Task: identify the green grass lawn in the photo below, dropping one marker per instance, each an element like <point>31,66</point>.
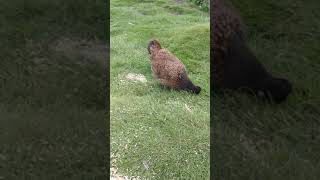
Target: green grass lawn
<point>255,140</point>
<point>52,102</point>
<point>156,132</point>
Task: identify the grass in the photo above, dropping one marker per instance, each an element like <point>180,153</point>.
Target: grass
<point>52,105</point>
<point>255,140</point>
<point>153,134</point>
<point>202,4</point>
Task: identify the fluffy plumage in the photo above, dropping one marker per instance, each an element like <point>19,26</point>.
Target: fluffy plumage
<point>234,64</point>
<point>168,69</point>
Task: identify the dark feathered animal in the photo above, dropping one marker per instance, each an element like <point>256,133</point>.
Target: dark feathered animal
<point>234,64</point>
<point>168,69</point>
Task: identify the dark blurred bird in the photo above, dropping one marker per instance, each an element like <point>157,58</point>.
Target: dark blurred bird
<point>168,69</point>
<point>234,64</point>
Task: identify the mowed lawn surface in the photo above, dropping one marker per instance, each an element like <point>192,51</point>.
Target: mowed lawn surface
<point>157,132</point>
<point>257,140</point>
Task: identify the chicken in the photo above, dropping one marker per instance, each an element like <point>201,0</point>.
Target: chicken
<point>234,64</point>
<point>169,70</point>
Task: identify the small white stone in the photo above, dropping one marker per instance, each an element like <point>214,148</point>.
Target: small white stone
<point>136,77</point>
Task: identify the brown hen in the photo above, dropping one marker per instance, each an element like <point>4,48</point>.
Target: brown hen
<point>234,64</point>
<point>168,69</point>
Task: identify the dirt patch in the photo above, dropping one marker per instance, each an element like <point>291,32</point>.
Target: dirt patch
<point>94,50</point>
<point>253,145</point>
<point>114,175</point>
<point>136,77</point>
